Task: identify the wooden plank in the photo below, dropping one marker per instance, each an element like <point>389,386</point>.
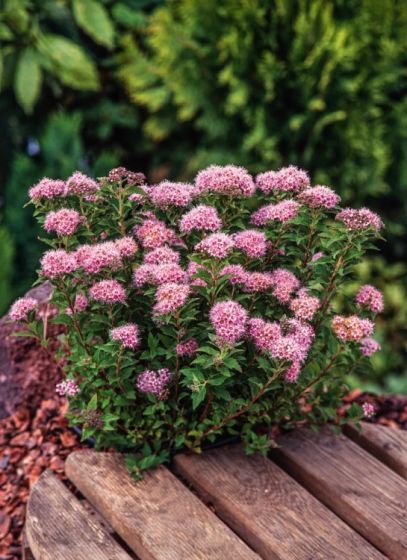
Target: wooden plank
<point>59,528</point>
<point>386,444</point>
<point>158,517</point>
<point>269,509</point>
<point>365,493</point>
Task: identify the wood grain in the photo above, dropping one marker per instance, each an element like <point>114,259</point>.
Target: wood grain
<point>386,444</point>
<point>158,517</point>
<point>59,528</point>
<point>269,509</point>
<point>365,493</point>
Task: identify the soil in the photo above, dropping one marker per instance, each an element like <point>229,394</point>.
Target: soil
<point>34,435</point>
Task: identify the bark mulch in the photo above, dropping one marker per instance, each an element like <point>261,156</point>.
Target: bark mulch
<point>34,435</point>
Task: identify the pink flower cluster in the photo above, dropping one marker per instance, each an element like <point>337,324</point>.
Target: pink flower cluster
<point>251,242</point>
<point>168,193</point>
<point>228,179</point>
<point>360,219</point>
<point>153,234</point>
<point>289,342</point>
<point>284,284</point>
<point>289,178</point>
<point>136,197</point>
<point>371,298</point>
<point>237,274</point>
<point>200,218</point>
<point>282,212</point>
<point>229,320</point>
<point>157,274</point>
<point>369,346</point>
<point>81,185</point>
<point>187,348</point>
<point>22,307</point>
<point>170,297</point>
<point>304,306</point>
<point>292,373</point>
<point>108,291</point>
<point>63,222</point>
<point>94,258</point>
<point>369,409</point>
<point>57,263</point>
<point>67,388</point>
<point>133,178</point>
<point>154,382</point>
<point>257,282</point>
<point>162,255</point>
<point>216,245</point>
<point>47,189</point>
<point>127,335</point>
<point>319,197</point>
<point>80,304</point>
<point>352,328</point>
<point>127,247</point>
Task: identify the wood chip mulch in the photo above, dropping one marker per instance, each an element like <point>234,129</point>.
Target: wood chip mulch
<point>34,435</point>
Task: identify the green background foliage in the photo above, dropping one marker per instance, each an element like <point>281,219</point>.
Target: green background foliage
<point>167,87</point>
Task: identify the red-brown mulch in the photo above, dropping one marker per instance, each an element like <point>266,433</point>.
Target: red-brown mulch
<point>34,435</point>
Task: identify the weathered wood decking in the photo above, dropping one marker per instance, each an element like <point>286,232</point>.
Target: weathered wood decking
<point>319,496</point>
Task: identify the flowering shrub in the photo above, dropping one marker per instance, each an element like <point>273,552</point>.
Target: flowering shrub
<point>199,310</point>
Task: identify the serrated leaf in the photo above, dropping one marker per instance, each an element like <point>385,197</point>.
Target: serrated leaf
<point>27,82</point>
<point>93,18</point>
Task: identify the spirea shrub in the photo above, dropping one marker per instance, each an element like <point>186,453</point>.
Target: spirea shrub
<point>195,311</point>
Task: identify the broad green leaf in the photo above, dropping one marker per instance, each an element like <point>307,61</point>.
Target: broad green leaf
<point>28,77</point>
<point>69,62</point>
<point>94,19</point>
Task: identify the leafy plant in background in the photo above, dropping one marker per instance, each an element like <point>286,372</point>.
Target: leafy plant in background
<point>198,310</point>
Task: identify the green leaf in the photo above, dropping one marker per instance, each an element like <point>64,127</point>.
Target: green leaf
<point>69,62</point>
<point>93,403</point>
<point>94,19</point>
<point>198,397</point>
<point>27,83</point>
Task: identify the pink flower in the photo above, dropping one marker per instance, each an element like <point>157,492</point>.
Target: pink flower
<point>264,333</point>
<point>126,246</point>
<point>153,234</point>
<point>170,297</point>
<point>108,291</point>
<point>360,219</point>
<point>282,212</point>
<point>63,222</point>
<point>94,258</point>
<point>192,270</point>
<point>187,348</point>
<point>80,304</point>
<point>81,185</point>
<point>162,255</point>
<point>317,256</point>
<point>369,346</point>
<point>304,306</point>
<point>55,263</point>
<point>289,178</point>
<point>22,307</point>
<point>216,245</point>
<point>67,388</point>
<point>371,298</point>
<point>319,197</point>
<point>48,189</point>
<point>228,179</point>
<point>158,274</point>
<point>154,382</point>
<point>251,242</point>
<point>257,282</point>
<point>229,320</point>
<point>236,272</point>
<point>352,328</point>
<point>284,284</point>
<point>292,372</point>
<point>121,173</point>
<point>369,409</point>
<point>128,335</point>
<point>136,197</point>
<point>168,193</point>
<point>201,218</point>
